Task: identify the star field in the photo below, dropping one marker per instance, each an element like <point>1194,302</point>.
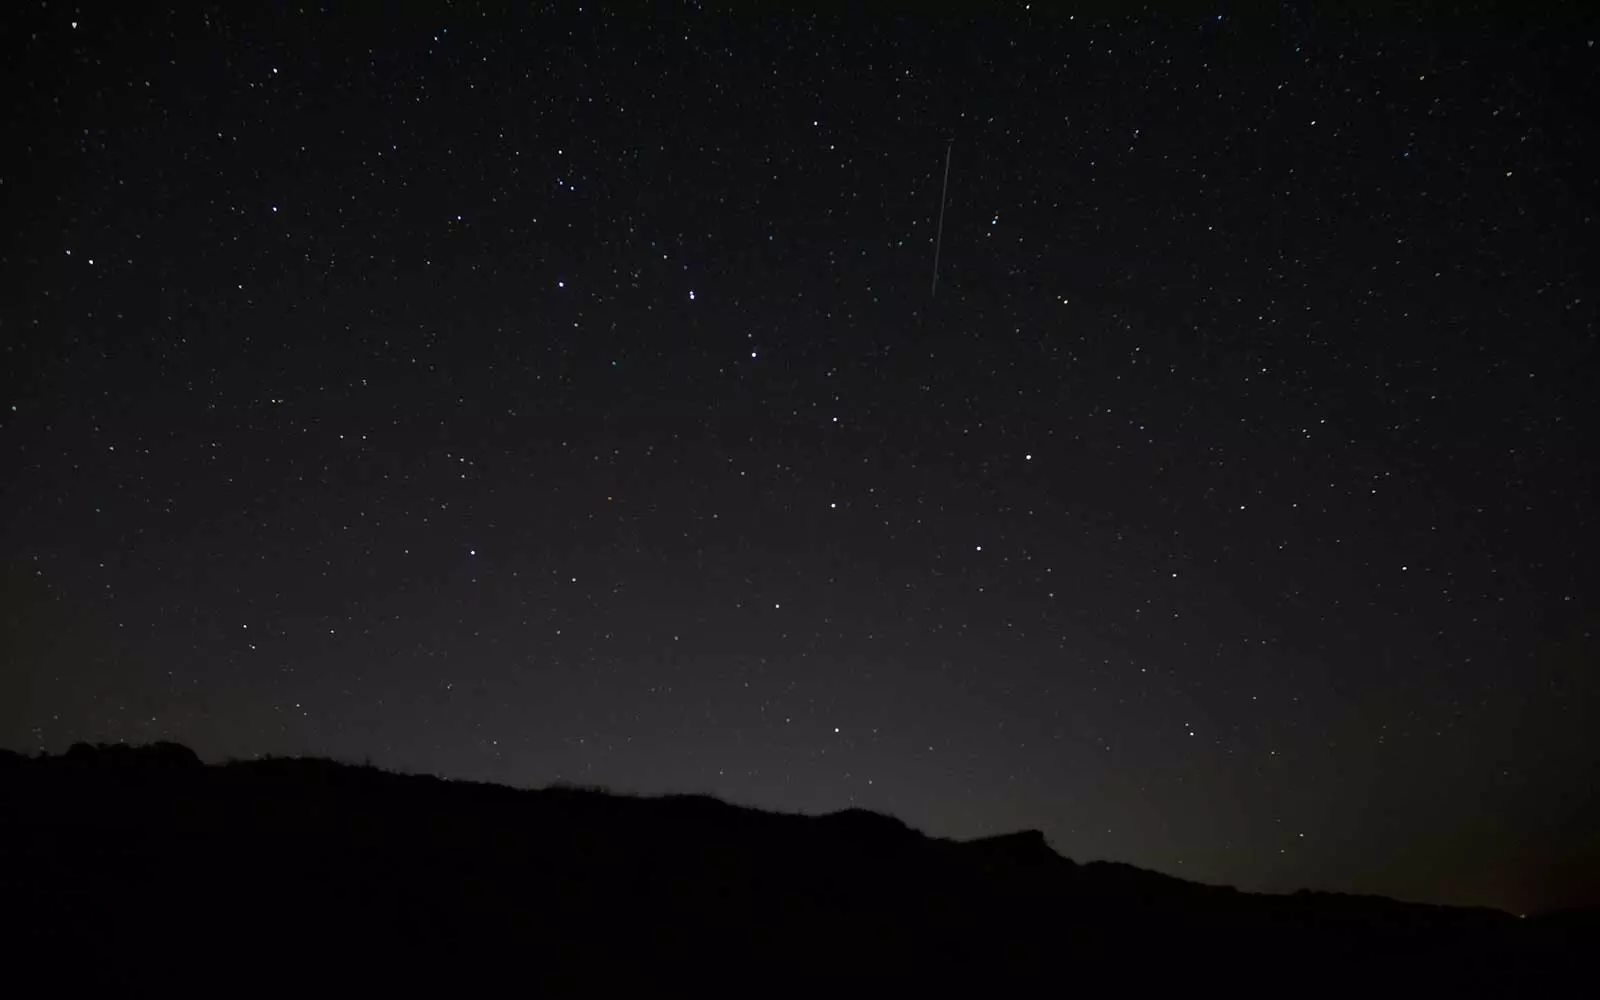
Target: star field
<point>559,396</point>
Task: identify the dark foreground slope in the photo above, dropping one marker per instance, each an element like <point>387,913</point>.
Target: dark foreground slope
<point>145,868</point>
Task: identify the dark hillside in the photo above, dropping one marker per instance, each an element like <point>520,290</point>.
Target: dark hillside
<point>146,869</point>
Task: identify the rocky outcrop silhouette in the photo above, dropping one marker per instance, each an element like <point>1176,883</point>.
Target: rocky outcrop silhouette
<point>142,870</point>
<point>122,755</point>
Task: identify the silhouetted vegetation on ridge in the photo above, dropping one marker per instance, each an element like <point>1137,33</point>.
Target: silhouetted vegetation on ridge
<point>143,867</point>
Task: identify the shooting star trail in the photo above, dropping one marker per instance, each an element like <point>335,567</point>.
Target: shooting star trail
<point>938,238</point>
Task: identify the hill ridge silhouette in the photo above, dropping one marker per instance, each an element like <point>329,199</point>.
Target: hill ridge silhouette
<point>134,866</point>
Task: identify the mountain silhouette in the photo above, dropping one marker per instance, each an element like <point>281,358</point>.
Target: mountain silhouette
<point>145,870</point>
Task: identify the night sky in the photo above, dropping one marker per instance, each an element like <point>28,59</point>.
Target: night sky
<point>563,395</point>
